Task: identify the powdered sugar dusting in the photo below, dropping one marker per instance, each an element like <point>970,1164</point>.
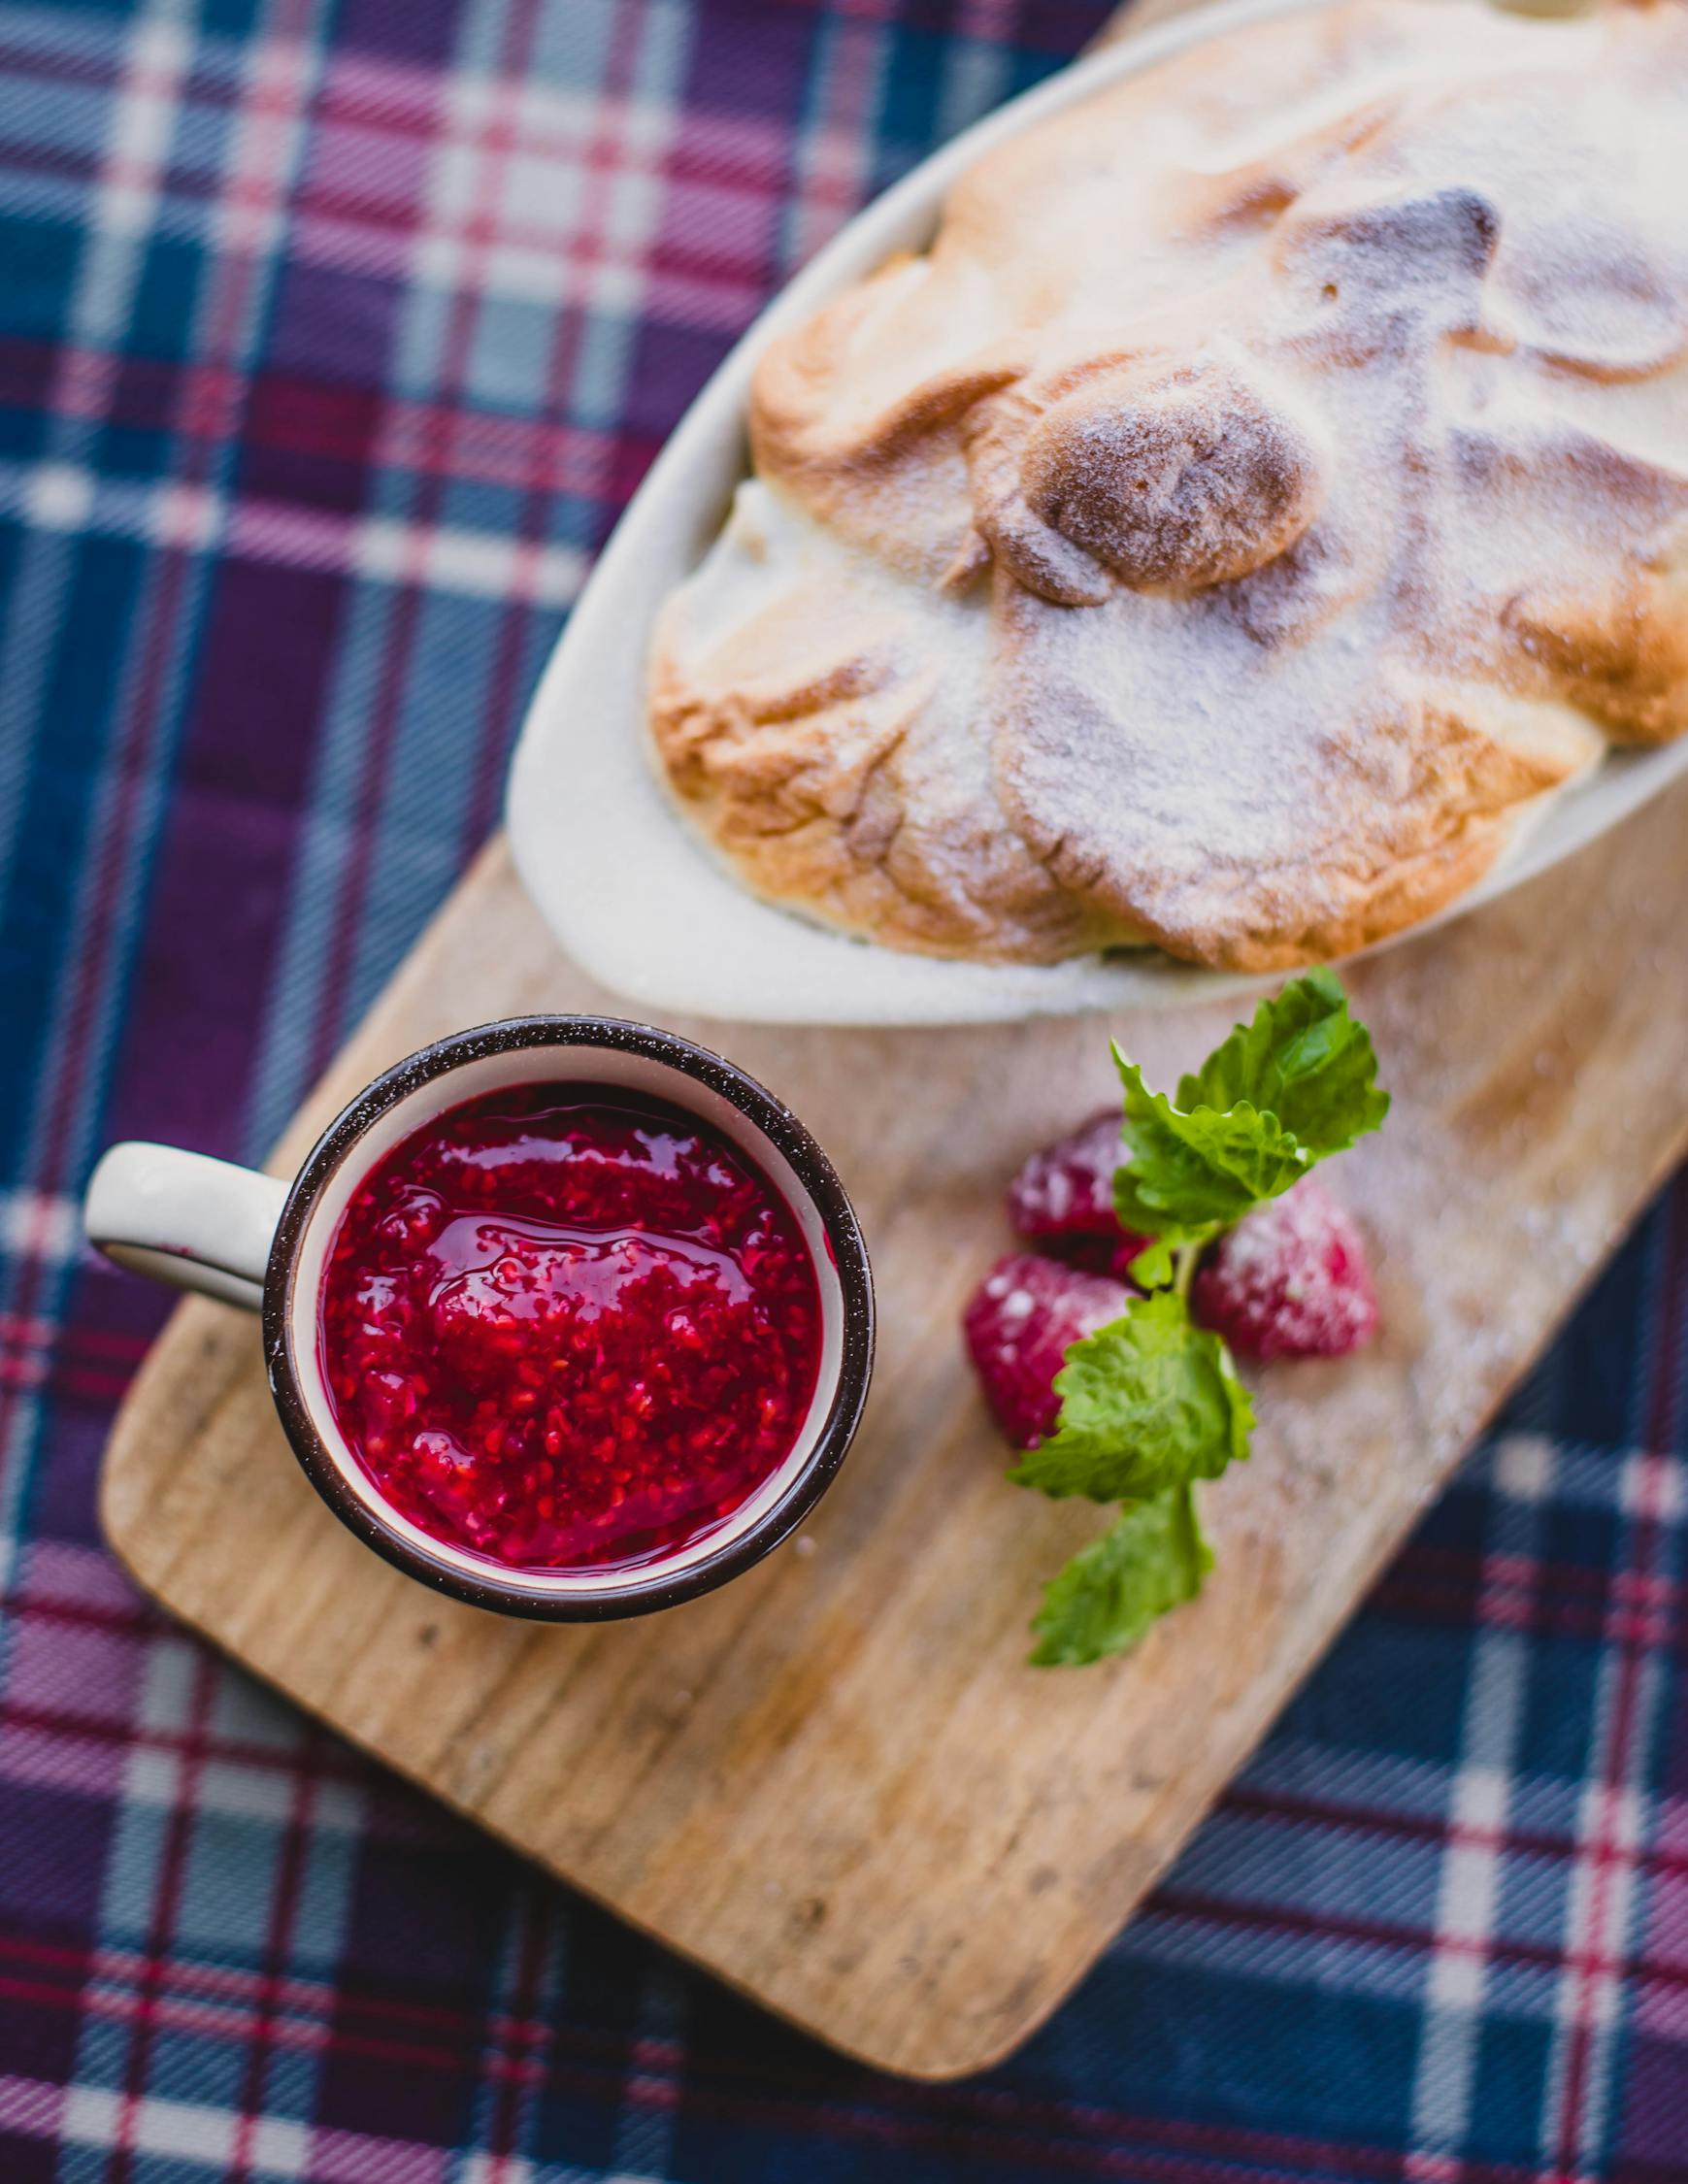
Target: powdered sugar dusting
<point>1066,1188</point>
<point>1290,1280</point>
<point>1321,401</point>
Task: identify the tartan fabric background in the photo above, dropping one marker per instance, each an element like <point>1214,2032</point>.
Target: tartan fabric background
<point>332,334</point>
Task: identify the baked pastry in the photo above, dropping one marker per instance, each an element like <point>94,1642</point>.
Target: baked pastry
<point>1270,488</point>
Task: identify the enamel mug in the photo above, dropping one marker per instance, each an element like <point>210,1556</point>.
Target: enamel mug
<point>250,1240</point>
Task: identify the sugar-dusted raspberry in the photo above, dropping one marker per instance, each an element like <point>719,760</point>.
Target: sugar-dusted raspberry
<point>1063,1197</point>
<point>1018,1323</point>
<point>1290,1280</point>
<point>1067,1187</point>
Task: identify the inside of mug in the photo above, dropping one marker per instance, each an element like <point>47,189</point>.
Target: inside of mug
<point>573,1062</point>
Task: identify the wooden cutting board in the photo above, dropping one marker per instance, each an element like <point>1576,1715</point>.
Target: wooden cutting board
<point>836,1783</point>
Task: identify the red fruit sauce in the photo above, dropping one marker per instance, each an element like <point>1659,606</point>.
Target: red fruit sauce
<point>566,1328</point>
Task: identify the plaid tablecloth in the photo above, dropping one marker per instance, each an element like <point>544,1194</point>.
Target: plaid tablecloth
<point>332,334</point>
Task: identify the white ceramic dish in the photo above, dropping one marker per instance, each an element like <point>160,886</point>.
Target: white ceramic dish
<point>632,894</point>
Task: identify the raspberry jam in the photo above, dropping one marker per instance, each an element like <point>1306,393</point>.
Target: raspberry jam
<point>563,1327</point>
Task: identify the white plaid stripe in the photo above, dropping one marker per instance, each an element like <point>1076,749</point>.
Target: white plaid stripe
<point>40,1224</point>
<point>645,2128</point>
<point>119,213</point>
<point>977,76</point>
<point>1602,1912</point>
<point>833,153</point>
<point>87,2122</point>
<point>506,2095</point>
<point>1466,1906</point>
<point>202,519</point>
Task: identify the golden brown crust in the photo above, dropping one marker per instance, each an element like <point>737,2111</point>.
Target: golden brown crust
<point>1273,482</point>
<point>807,750</point>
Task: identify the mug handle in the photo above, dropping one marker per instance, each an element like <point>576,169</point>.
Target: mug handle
<point>184,1219</point>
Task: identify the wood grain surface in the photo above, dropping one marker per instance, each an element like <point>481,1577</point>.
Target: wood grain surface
<point>836,1783</point>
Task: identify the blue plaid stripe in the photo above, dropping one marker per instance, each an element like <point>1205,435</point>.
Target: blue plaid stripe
<point>332,334</point>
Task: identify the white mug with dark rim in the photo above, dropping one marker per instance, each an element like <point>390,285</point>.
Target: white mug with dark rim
<point>251,1240</point>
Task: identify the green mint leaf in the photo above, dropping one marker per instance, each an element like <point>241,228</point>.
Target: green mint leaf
<point>1148,1402</point>
<point>1190,1175</point>
<point>1153,1559</point>
<point>1152,1268</point>
<point>1303,1059</point>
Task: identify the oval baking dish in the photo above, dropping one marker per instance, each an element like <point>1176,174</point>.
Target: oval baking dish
<point>625,883</point>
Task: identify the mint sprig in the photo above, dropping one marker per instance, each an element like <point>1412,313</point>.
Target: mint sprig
<point>1191,1174</point>
<point>1148,1403</point>
<point>1279,1094</point>
<point>1305,1061</point>
<point>1151,1404</point>
<point>1153,1559</point>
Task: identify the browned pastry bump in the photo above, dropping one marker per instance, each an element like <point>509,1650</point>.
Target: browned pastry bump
<point>1270,486</point>
<point>1173,474</point>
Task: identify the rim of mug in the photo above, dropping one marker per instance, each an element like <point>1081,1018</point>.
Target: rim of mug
<point>640,1591</point>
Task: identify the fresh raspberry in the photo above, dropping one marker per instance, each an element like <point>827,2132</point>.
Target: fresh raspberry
<point>1063,1197</point>
<point>1018,1323</point>
<point>1290,1280</point>
<point>1066,1188</point>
